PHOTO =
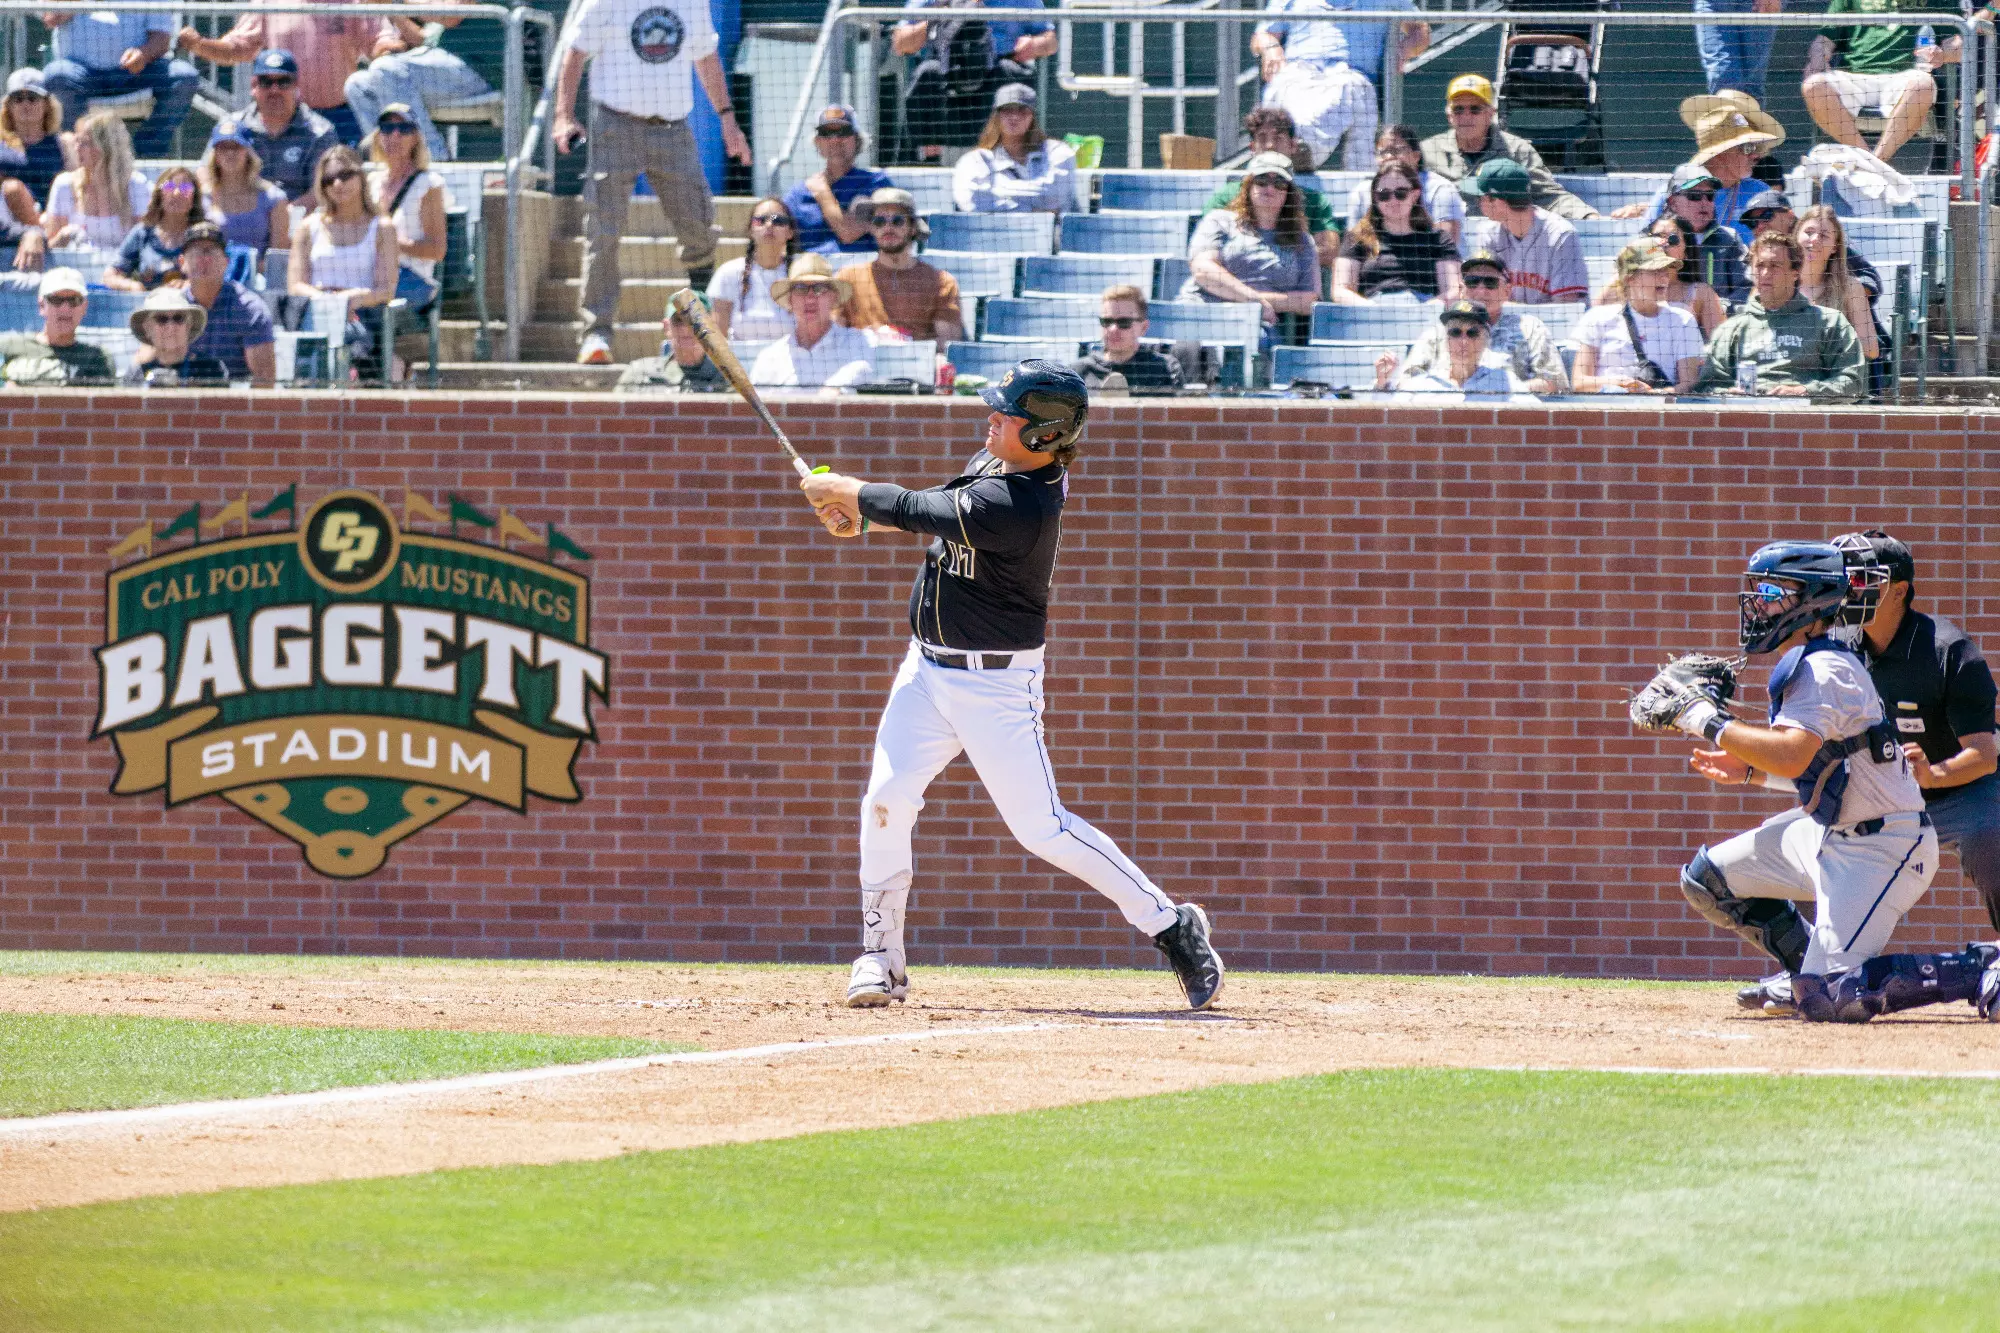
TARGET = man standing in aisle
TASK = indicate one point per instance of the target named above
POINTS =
(644, 55)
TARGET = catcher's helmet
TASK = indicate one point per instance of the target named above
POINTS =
(1874, 561)
(1050, 396)
(1789, 586)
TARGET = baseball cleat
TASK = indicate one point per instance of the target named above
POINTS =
(1194, 960)
(1771, 995)
(874, 983)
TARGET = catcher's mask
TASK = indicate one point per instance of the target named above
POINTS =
(1789, 586)
(1874, 561)
(1049, 396)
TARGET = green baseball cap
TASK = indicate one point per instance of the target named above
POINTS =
(1503, 178)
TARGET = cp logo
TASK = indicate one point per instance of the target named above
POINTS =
(350, 542)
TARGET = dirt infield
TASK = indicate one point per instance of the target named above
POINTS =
(1016, 1041)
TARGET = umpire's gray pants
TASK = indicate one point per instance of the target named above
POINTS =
(621, 147)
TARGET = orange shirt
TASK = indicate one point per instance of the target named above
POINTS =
(911, 299)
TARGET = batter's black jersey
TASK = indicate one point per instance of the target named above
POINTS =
(1935, 688)
(985, 582)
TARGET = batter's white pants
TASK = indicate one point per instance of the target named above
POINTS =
(995, 718)
(1330, 105)
(1861, 886)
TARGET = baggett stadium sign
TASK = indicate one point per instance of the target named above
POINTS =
(347, 681)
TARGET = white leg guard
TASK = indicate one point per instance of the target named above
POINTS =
(882, 923)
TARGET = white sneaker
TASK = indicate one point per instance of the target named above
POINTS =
(596, 351)
(874, 982)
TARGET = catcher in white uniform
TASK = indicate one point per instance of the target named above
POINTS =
(1857, 843)
(972, 679)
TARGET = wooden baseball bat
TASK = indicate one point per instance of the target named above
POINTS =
(690, 307)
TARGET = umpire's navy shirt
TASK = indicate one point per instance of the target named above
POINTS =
(1935, 687)
(985, 582)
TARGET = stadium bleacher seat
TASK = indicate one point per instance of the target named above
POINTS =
(1156, 191)
(1084, 276)
(915, 361)
(1234, 326)
(1174, 275)
(977, 274)
(1157, 234)
(1603, 238)
(993, 233)
(1560, 319)
(1345, 367)
(930, 186)
(1019, 320)
(993, 360)
(1616, 189)
(1372, 324)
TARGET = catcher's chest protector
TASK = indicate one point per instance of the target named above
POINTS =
(1824, 782)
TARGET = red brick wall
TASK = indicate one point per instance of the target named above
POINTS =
(1353, 677)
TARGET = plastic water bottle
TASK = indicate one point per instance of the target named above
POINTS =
(1926, 38)
(1746, 375)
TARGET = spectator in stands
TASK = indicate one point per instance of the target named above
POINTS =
(1121, 313)
(289, 139)
(21, 228)
(1398, 146)
(1257, 249)
(1768, 210)
(1734, 56)
(254, 212)
(415, 197)
(1641, 344)
(1732, 135)
(1325, 73)
(961, 62)
(1522, 338)
(681, 367)
(1828, 281)
(817, 352)
(1270, 130)
(644, 58)
(1467, 370)
(1394, 250)
(1882, 70)
(1473, 141)
(897, 297)
(237, 328)
(1782, 345)
(95, 205)
(1015, 168)
(55, 356)
(151, 252)
(166, 326)
(31, 122)
(346, 248)
(105, 53)
(1718, 254)
(740, 292)
(830, 223)
(319, 54)
(418, 73)
(1677, 237)
(1543, 255)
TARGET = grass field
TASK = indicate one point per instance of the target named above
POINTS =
(51, 1062)
(1389, 1199)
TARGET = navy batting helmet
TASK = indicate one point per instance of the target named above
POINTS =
(1790, 586)
(1049, 396)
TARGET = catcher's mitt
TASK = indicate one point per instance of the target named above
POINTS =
(1685, 681)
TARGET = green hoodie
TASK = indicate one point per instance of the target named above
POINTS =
(1798, 343)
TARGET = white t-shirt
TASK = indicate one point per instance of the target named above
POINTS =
(409, 214)
(753, 315)
(841, 358)
(1832, 696)
(643, 52)
(1670, 337)
(99, 233)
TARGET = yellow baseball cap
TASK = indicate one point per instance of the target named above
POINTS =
(1473, 85)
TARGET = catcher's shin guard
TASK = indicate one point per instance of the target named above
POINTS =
(1772, 924)
(1896, 982)
(1831, 999)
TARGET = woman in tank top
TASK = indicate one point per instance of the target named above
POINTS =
(96, 205)
(414, 197)
(253, 211)
(346, 248)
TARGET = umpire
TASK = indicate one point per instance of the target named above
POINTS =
(1935, 684)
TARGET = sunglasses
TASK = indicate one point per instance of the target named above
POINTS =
(1489, 282)
(1393, 196)
(1699, 196)
(1672, 241)
(770, 220)
(395, 127)
(275, 80)
(833, 134)
(1459, 331)
(1116, 321)
(892, 220)
(64, 299)
(173, 317)
(1271, 183)
(177, 187)
(1770, 592)
(1467, 108)
(340, 177)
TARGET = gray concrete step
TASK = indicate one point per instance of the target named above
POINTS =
(640, 300)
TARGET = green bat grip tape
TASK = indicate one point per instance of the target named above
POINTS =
(826, 468)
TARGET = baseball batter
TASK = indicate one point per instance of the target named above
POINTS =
(972, 679)
(1857, 842)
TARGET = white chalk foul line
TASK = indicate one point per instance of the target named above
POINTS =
(1748, 1071)
(279, 1103)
